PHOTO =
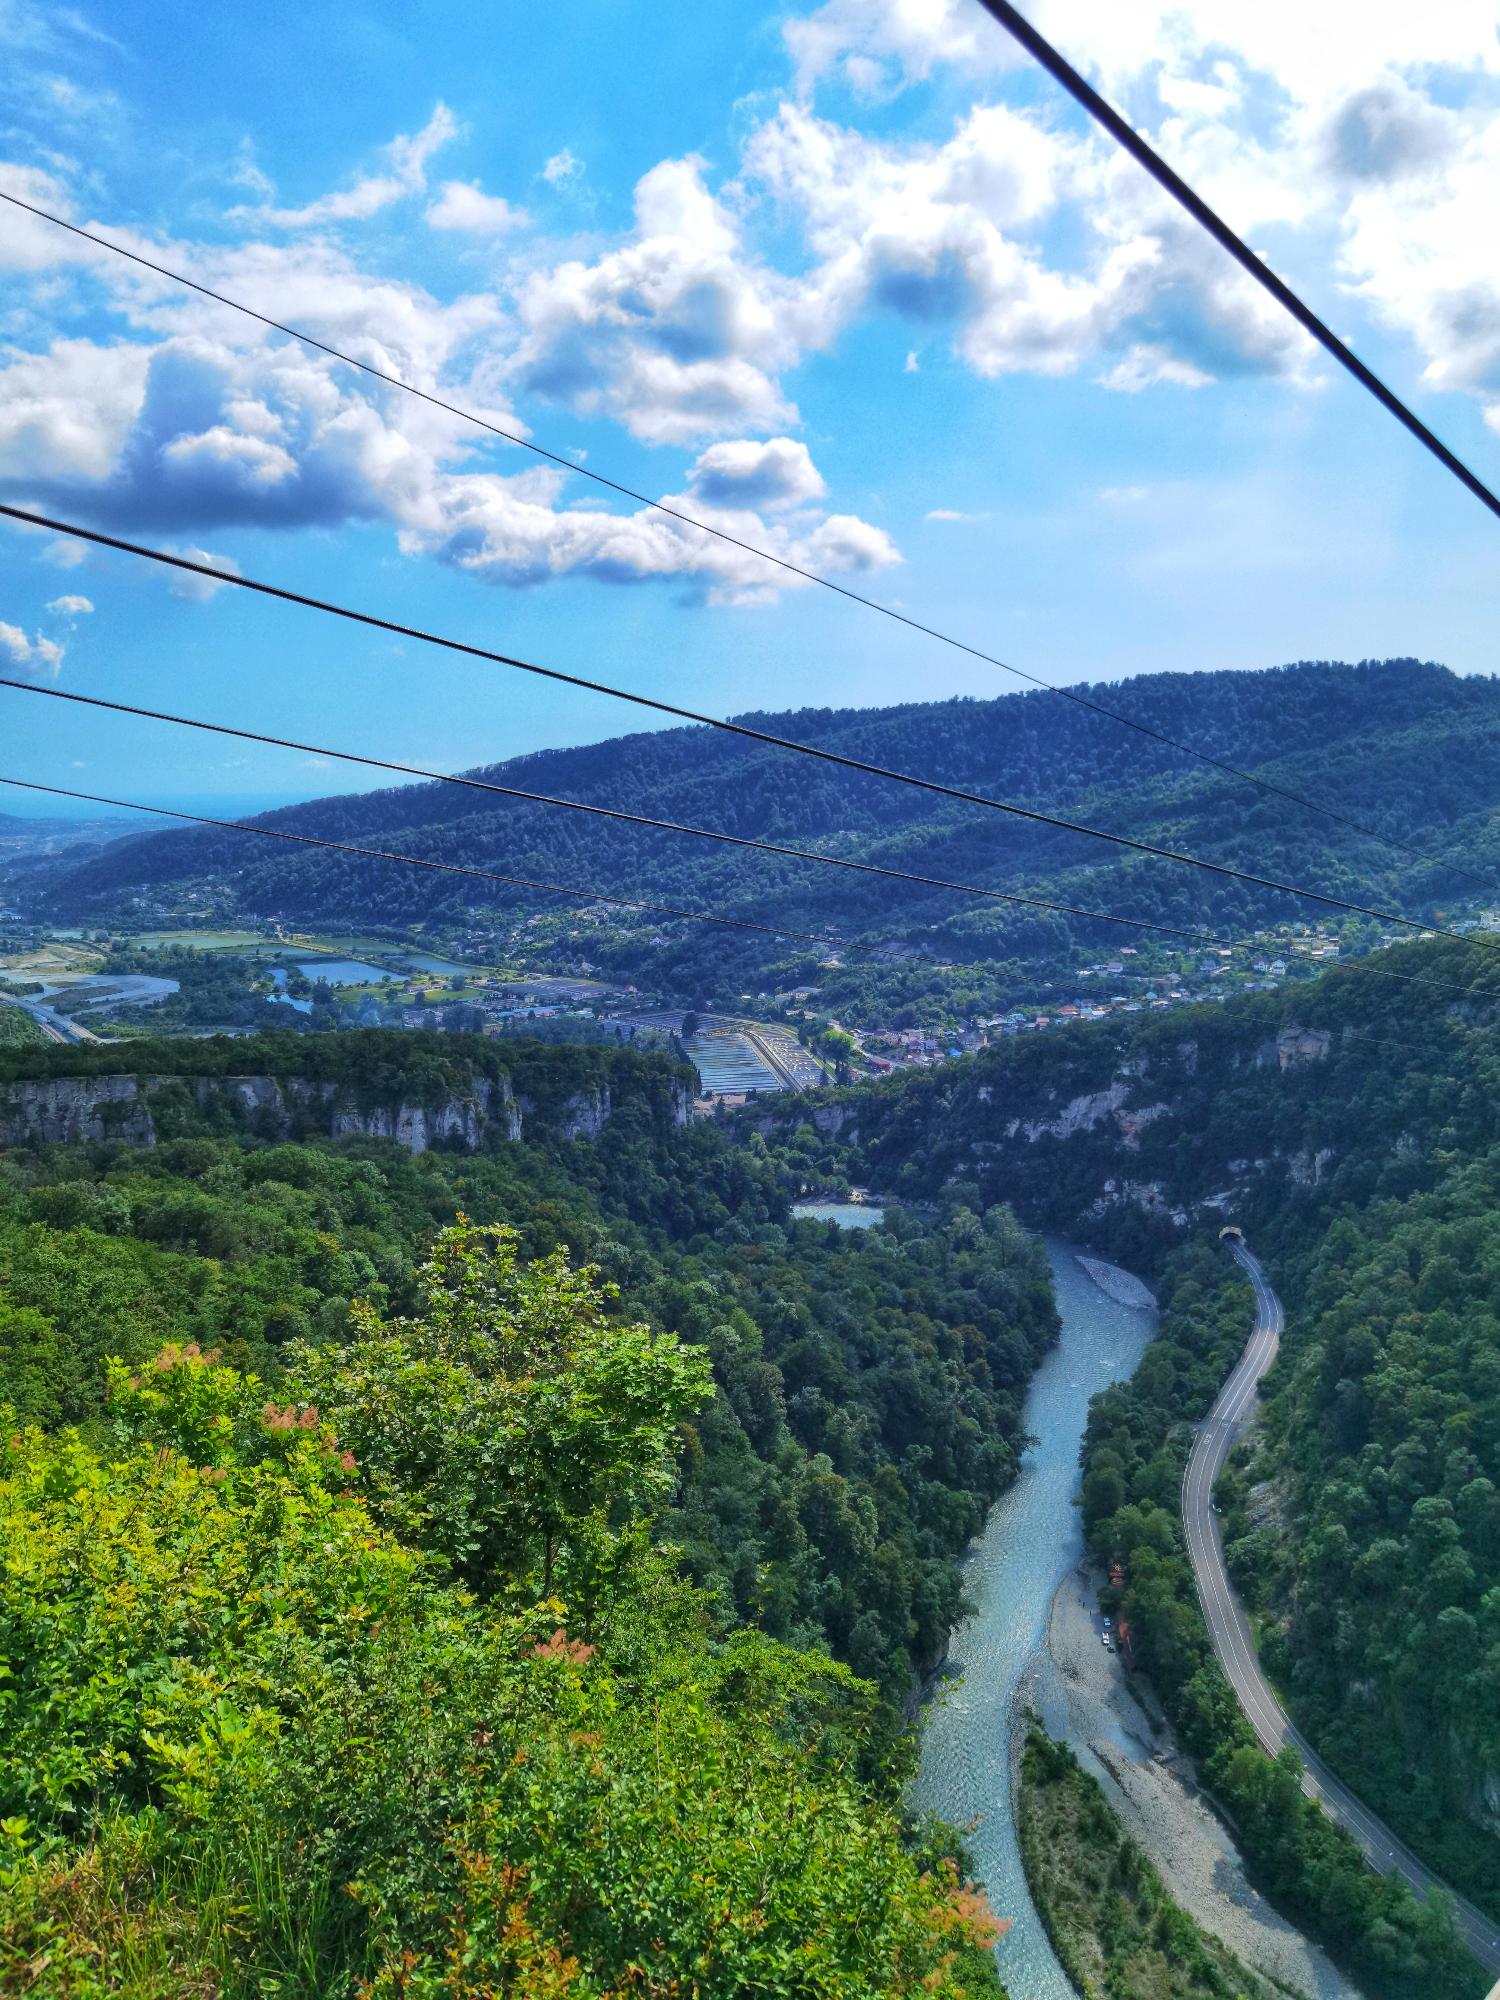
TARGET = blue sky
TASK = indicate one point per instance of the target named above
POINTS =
(850, 280)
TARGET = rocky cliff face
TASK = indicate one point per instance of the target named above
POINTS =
(74, 1110)
(1081, 1114)
(464, 1122)
(1293, 1046)
(582, 1116)
(67, 1110)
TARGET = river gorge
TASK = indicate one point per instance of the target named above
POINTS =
(1035, 1641)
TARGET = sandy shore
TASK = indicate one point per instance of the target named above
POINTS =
(1084, 1696)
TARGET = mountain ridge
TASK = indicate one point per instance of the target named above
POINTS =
(1399, 746)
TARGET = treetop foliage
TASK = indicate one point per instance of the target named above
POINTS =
(259, 1735)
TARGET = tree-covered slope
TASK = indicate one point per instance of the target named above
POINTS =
(1403, 748)
(385, 1618)
(364, 1681)
(1353, 1128)
(869, 1382)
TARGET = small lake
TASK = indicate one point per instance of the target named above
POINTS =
(421, 961)
(341, 971)
(1031, 1540)
(847, 1214)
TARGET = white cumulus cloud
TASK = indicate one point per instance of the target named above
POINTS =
(1367, 134)
(677, 333)
(406, 174)
(872, 45)
(516, 531)
(464, 205)
(35, 654)
(70, 606)
(750, 472)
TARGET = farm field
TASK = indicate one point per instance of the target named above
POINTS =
(53, 960)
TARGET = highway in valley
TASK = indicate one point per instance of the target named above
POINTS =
(56, 1027)
(1230, 1630)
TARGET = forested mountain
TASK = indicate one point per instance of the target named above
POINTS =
(399, 1611)
(865, 1408)
(1353, 1129)
(1404, 749)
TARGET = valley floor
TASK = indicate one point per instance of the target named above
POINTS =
(1084, 1698)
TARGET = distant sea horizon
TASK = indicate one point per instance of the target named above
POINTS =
(212, 805)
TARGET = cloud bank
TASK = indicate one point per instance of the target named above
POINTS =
(1363, 147)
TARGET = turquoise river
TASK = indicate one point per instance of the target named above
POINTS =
(1031, 1540)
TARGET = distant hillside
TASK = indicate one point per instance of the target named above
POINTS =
(1405, 748)
(21, 836)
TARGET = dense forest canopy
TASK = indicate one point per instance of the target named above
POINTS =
(1353, 1129)
(870, 1383)
(1401, 748)
(364, 1680)
(663, 1488)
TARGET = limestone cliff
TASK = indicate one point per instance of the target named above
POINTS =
(142, 1109)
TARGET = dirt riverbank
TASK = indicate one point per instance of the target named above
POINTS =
(1085, 1698)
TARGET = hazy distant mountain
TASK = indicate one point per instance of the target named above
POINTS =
(20, 835)
(1406, 749)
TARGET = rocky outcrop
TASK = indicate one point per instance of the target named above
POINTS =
(1306, 1169)
(464, 1122)
(1150, 1197)
(139, 1109)
(583, 1116)
(69, 1111)
(1133, 1123)
(1293, 1046)
(1082, 1114)
(260, 1100)
(1079, 1114)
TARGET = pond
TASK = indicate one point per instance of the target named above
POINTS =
(422, 961)
(341, 971)
(847, 1214)
(1031, 1540)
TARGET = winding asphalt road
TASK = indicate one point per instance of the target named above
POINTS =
(1230, 1630)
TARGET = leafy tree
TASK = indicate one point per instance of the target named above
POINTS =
(511, 1417)
(257, 1738)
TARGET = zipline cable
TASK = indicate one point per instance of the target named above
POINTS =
(1103, 113)
(441, 867)
(741, 729)
(1193, 936)
(735, 541)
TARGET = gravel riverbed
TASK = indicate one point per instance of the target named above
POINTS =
(1084, 1697)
